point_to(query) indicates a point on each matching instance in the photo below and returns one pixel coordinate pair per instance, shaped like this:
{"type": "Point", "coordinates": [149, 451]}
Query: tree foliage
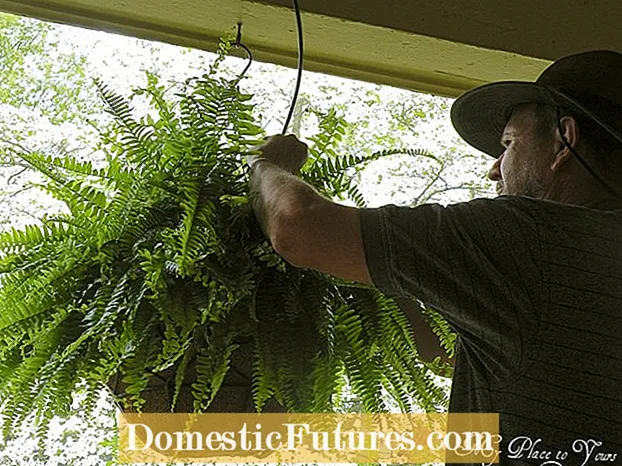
{"type": "Point", "coordinates": [159, 263]}
{"type": "Point", "coordinates": [45, 94]}
{"type": "Point", "coordinates": [36, 75]}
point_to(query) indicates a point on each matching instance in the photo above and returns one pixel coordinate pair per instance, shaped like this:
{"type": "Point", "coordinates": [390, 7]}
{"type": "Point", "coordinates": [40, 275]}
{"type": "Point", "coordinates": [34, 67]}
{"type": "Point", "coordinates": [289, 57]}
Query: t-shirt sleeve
{"type": "Point", "coordinates": [476, 263]}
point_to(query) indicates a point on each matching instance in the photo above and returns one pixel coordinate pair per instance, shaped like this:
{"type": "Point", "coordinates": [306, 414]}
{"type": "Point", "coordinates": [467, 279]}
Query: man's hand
{"type": "Point", "coordinates": [286, 152]}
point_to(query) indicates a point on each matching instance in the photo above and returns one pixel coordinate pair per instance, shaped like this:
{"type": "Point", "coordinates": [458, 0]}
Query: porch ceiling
{"type": "Point", "coordinates": [443, 46]}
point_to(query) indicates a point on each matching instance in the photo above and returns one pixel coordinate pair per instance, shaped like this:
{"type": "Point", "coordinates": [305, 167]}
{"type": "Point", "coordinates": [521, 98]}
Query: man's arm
{"type": "Point", "coordinates": [305, 228]}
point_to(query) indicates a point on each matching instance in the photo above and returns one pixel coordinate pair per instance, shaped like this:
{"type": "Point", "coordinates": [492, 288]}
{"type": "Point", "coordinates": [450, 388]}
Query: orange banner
{"type": "Point", "coordinates": [308, 438]}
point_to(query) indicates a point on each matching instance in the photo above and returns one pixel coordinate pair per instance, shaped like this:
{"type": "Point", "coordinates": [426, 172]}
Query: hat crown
{"type": "Point", "coordinates": [587, 75]}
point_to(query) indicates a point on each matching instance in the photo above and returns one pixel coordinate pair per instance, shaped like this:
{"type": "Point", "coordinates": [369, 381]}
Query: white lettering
{"type": "Point", "coordinates": [438, 446]}
{"type": "Point", "coordinates": [212, 437]}
{"type": "Point", "coordinates": [243, 431]}
{"type": "Point", "coordinates": [291, 435]}
{"type": "Point", "coordinates": [585, 446]}
{"type": "Point", "coordinates": [229, 439]}
{"type": "Point", "coordinates": [168, 439]}
{"type": "Point", "coordinates": [132, 434]}
{"type": "Point", "coordinates": [519, 445]}
{"type": "Point", "coordinates": [269, 442]}
{"type": "Point", "coordinates": [409, 440]}
{"type": "Point", "coordinates": [184, 440]}
{"type": "Point", "coordinates": [477, 441]}
{"type": "Point", "coordinates": [391, 438]}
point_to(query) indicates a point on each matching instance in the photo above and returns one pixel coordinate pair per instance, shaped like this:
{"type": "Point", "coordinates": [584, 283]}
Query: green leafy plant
{"type": "Point", "coordinates": [158, 271]}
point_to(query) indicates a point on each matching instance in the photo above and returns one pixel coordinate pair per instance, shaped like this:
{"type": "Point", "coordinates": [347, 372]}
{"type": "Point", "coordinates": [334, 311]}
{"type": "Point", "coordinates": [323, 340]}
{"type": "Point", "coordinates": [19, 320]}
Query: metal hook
{"type": "Point", "coordinates": [238, 44]}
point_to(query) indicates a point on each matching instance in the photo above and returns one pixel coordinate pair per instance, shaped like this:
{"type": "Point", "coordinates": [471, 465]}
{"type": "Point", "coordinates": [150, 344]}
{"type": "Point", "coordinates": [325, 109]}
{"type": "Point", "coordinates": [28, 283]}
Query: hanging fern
{"type": "Point", "coordinates": [159, 267]}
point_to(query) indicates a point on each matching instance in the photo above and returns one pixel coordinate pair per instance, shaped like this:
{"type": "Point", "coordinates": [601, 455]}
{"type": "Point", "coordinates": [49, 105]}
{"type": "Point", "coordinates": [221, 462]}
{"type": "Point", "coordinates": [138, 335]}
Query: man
{"type": "Point", "coordinates": [531, 281]}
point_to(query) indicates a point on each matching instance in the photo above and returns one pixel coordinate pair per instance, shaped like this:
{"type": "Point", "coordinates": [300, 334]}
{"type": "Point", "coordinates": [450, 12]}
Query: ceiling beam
{"type": "Point", "coordinates": [354, 42]}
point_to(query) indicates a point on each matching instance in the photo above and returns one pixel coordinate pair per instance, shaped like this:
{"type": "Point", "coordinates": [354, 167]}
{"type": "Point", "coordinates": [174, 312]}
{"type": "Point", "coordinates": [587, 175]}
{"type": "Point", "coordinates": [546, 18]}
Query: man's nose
{"type": "Point", "coordinates": [494, 174]}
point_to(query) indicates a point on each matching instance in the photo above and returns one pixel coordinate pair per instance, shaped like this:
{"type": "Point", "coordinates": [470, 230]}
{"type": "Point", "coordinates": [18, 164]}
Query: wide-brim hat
{"type": "Point", "coordinates": [588, 83]}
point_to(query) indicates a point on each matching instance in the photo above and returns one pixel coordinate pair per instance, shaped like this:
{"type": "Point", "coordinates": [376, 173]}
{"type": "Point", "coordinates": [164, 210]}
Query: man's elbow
{"type": "Point", "coordinates": [322, 236]}
{"type": "Point", "coordinates": [287, 236]}
{"type": "Point", "coordinates": [285, 248]}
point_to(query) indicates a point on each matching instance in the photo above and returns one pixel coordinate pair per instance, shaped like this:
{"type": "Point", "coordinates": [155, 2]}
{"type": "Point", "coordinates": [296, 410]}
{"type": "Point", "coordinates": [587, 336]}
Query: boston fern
{"type": "Point", "coordinates": [159, 267]}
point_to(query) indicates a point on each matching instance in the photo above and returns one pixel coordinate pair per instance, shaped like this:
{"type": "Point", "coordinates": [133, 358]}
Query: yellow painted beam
{"type": "Point", "coordinates": [333, 45]}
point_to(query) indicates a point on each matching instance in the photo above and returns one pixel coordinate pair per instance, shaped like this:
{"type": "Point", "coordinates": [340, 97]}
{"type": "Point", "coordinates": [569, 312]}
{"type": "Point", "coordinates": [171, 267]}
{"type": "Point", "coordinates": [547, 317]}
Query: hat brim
{"type": "Point", "coordinates": [480, 115]}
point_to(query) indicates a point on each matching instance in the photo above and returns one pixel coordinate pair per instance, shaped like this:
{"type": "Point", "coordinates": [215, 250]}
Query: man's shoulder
{"type": "Point", "coordinates": [516, 202]}
{"type": "Point", "coordinates": [540, 206]}
{"type": "Point", "coordinates": [501, 203]}
{"type": "Point", "coordinates": [560, 223]}
{"type": "Point", "coordinates": [502, 209]}
{"type": "Point", "coordinates": [545, 204]}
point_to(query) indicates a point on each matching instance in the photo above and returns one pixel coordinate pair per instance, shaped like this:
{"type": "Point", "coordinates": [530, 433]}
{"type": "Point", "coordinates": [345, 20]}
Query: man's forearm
{"type": "Point", "coordinates": [279, 198]}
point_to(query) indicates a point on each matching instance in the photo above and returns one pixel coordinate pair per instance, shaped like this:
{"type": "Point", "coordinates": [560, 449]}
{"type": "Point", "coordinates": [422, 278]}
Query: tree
{"type": "Point", "coordinates": [45, 93]}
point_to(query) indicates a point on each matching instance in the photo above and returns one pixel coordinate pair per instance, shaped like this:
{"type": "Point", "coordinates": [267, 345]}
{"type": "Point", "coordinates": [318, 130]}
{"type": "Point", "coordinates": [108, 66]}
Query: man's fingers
{"type": "Point", "coordinates": [284, 151]}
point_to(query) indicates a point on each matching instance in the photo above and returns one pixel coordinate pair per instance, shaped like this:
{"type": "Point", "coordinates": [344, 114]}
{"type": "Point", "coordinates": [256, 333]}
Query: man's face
{"type": "Point", "coordinates": [524, 167]}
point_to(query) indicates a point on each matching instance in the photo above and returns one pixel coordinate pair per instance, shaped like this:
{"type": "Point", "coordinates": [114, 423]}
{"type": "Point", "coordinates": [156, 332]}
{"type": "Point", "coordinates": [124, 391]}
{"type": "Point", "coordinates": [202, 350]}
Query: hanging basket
{"type": "Point", "coordinates": [234, 396]}
{"type": "Point", "coordinates": [159, 269]}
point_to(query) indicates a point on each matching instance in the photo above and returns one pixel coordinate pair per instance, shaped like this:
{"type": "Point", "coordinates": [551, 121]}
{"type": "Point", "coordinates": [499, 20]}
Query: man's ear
{"type": "Point", "coordinates": [567, 134]}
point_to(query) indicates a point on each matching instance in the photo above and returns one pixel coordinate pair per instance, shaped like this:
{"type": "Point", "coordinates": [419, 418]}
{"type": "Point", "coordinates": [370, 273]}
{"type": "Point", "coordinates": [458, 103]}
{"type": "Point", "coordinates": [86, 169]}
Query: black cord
{"type": "Point", "coordinates": [300, 64]}
{"type": "Point", "coordinates": [580, 159]}
{"type": "Point", "coordinates": [249, 55]}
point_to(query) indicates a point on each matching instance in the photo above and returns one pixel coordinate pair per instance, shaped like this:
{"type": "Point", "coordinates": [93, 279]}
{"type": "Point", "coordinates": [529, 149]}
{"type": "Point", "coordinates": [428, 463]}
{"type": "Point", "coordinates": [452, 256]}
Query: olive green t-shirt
{"type": "Point", "coordinates": [534, 290]}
